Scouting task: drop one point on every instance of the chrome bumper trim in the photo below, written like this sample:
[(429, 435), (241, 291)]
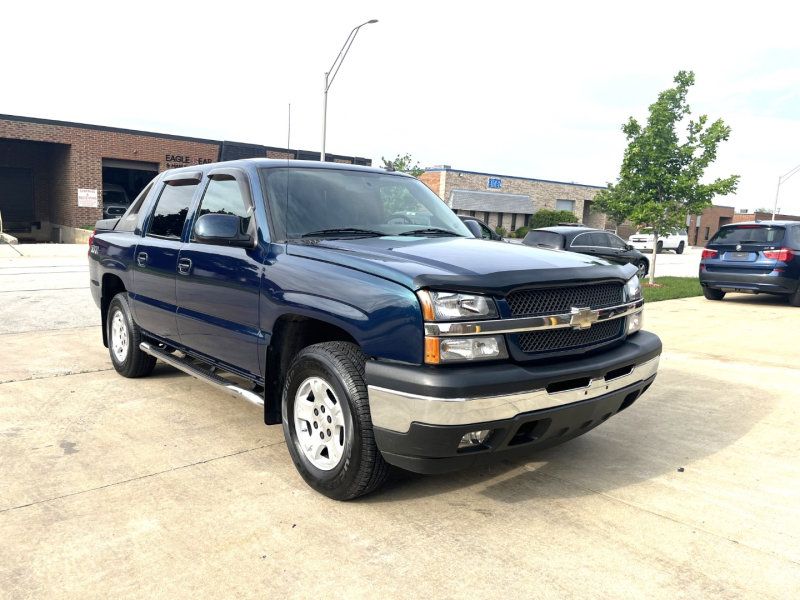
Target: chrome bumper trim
[(520, 325), (395, 410)]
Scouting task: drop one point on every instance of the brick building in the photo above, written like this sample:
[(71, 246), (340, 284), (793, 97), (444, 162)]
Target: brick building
[(53, 173), (509, 201), (701, 228)]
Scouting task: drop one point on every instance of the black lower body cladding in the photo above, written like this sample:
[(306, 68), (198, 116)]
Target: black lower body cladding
[(420, 415)]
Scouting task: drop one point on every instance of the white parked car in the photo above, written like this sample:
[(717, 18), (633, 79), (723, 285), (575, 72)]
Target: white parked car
[(643, 241)]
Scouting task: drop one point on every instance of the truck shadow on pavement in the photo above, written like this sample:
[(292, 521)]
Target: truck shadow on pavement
[(683, 419)]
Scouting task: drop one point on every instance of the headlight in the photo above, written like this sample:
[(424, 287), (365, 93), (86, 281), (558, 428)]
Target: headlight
[(463, 349), (453, 306), (633, 290)]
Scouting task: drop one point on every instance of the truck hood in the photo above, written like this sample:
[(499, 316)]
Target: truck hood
[(459, 264)]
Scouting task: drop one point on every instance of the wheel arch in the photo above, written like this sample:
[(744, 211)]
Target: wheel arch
[(291, 333), (111, 285)]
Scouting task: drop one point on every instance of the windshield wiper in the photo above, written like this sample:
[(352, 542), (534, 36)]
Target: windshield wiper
[(347, 231), (430, 231)]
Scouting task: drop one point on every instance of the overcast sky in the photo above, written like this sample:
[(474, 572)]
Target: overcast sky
[(507, 87)]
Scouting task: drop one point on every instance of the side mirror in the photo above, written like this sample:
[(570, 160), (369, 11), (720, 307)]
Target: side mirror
[(628, 247), (474, 228), (223, 230)]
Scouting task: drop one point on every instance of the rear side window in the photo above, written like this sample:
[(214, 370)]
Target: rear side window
[(129, 220), (171, 209), (749, 234), (544, 239)]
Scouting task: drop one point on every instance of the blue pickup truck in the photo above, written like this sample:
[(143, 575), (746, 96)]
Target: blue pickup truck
[(365, 317)]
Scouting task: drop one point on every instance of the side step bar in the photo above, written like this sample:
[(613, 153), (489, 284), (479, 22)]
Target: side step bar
[(202, 374)]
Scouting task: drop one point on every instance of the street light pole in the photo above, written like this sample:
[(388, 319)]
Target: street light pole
[(781, 179), (330, 75)]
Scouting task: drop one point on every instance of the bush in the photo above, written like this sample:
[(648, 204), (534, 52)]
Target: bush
[(501, 231), (520, 232), (549, 218)]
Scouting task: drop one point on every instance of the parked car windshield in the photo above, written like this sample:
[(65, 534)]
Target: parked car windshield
[(330, 203), (757, 234)]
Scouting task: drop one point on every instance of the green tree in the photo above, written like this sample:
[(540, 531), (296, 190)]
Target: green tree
[(660, 178), (404, 164)]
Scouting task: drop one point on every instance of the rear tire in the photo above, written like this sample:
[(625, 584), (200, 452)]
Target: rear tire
[(679, 249), (712, 294), (124, 337), (330, 439), (659, 247)]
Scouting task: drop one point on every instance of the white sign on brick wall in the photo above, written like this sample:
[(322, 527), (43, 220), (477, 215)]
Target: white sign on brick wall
[(87, 198)]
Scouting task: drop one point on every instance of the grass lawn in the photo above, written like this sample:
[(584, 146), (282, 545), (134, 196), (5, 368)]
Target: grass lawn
[(671, 288)]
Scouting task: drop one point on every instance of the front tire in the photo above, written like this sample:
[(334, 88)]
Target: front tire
[(327, 424), (124, 337), (643, 267), (712, 294)]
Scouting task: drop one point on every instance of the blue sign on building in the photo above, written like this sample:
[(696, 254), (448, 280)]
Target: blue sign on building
[(495, 183)]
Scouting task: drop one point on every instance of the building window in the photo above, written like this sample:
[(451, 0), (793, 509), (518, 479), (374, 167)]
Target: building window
[(472, 213), (526, 220), (486, 217), (568, 205), (707, 232), (500, 219), (513, 221)]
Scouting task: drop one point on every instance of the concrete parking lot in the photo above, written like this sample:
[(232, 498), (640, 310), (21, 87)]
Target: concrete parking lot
[(163, 487)]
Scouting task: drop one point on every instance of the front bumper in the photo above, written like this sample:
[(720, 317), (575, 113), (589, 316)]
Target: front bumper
[(419, 414), (769, 283)]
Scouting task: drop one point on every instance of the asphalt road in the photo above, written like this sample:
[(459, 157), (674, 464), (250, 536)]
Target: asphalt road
[(164, 488)]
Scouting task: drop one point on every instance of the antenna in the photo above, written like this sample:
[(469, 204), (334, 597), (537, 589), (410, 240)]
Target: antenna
[(289, 129)]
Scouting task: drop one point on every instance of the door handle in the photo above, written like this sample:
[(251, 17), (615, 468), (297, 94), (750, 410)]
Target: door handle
[(141, 259), (184, 266)]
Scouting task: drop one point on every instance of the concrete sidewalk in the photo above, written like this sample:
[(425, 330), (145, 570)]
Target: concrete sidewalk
[(164, 488)]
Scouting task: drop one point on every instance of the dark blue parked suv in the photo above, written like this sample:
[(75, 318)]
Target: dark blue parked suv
[(758, 257), (358, 309)]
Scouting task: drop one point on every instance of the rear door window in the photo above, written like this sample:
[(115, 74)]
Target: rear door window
[(749, 234), (171, 210), (599, 239), (584, 239)]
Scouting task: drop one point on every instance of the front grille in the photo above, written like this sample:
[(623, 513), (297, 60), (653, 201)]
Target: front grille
[(558, 340), (549, 301)]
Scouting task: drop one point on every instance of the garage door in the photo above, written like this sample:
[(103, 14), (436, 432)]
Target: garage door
[(16, 198)]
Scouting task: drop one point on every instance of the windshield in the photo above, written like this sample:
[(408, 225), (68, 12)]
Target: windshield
[(744, 234), (340, 203)]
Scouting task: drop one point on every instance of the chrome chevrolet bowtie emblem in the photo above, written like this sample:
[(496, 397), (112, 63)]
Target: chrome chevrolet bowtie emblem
[(738, 247), (582, 318)]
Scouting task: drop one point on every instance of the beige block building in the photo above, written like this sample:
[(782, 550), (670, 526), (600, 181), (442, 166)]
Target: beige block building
[(509, 201)]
